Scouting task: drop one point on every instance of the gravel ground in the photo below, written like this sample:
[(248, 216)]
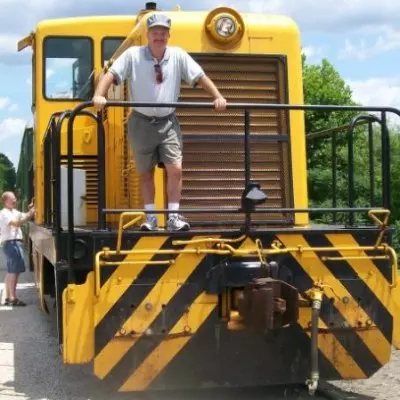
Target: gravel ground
[(384, 385), (31, 369)]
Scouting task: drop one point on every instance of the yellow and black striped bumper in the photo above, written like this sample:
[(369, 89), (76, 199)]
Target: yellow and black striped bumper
[(156, 326)]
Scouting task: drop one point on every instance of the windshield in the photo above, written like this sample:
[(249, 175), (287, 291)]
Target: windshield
[(68, 68)]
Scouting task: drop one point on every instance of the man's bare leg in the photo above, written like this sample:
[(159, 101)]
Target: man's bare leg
[(148, 193), (12, 286), (174, 182), (147, 185), (7, 286), (174, 190)]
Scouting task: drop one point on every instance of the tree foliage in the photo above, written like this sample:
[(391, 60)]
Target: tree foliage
[(324, 85), (7, 174)]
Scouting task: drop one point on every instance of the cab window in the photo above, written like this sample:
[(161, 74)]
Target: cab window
[(109, 46), (68, 68)]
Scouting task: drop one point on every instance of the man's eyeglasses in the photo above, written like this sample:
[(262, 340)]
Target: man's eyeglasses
[(159, 74)]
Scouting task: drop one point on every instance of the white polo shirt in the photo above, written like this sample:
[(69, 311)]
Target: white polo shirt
[(136, 65), (8, 232)]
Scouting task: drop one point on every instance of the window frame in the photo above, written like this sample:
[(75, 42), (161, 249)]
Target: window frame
[(64, 99)]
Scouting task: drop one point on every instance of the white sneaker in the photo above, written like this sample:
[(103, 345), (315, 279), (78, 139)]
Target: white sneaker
[(150, 224), (177, 223)]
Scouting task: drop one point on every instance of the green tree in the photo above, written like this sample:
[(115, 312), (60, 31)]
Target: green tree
[(324, 85), (7, 174), (395, 175)]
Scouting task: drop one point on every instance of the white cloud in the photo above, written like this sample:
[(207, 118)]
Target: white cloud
[(380, 92), (377, 91), (311, 14), (11, 127), (329, 15), (4, 102), (62, 85), (65, 94), (313, 53), (8, 43), (387, 41), (49, 73), (59, 63), (335, 16)]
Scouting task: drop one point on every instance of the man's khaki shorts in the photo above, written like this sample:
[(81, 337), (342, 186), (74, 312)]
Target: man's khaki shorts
[(154, 141)]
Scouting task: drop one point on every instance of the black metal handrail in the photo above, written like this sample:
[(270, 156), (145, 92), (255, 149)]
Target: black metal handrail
[(350, 150), (244, 106), (349, 130), (48, 143), (52, 171), (235, 210)]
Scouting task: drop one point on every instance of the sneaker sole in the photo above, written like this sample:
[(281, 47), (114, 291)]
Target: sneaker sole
[(146, 229), (183, 229)]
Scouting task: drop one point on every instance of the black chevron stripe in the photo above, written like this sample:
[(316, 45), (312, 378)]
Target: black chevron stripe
[(164, 322), (349, 278), (348, 338), (132, 297), (369, 239)]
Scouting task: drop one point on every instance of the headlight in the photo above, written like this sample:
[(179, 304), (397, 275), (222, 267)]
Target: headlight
[(225, 26)]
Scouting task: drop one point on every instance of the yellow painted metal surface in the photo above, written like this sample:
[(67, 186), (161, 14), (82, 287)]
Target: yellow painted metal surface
[(78, 322)]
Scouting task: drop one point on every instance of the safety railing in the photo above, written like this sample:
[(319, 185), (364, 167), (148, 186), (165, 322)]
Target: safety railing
[(252, 194), (348, 130), (52, 170)]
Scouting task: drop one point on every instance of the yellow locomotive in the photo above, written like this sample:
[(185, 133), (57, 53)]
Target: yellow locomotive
[(254, 294)]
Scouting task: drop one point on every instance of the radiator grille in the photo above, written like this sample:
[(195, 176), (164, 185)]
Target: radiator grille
[(213, 161)]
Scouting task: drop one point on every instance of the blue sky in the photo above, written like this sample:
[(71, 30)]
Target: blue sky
[(360, 38)]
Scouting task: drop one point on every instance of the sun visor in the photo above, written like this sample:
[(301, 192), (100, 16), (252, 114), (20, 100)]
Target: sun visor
[(25, 42)]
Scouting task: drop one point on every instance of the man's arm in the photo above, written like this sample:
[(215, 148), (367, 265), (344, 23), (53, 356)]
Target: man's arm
[(208, 85), (193, 74), (22, 220), (99, 98), (119, 70)]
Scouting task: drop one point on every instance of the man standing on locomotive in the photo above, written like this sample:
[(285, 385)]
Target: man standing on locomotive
[(155, 73)]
